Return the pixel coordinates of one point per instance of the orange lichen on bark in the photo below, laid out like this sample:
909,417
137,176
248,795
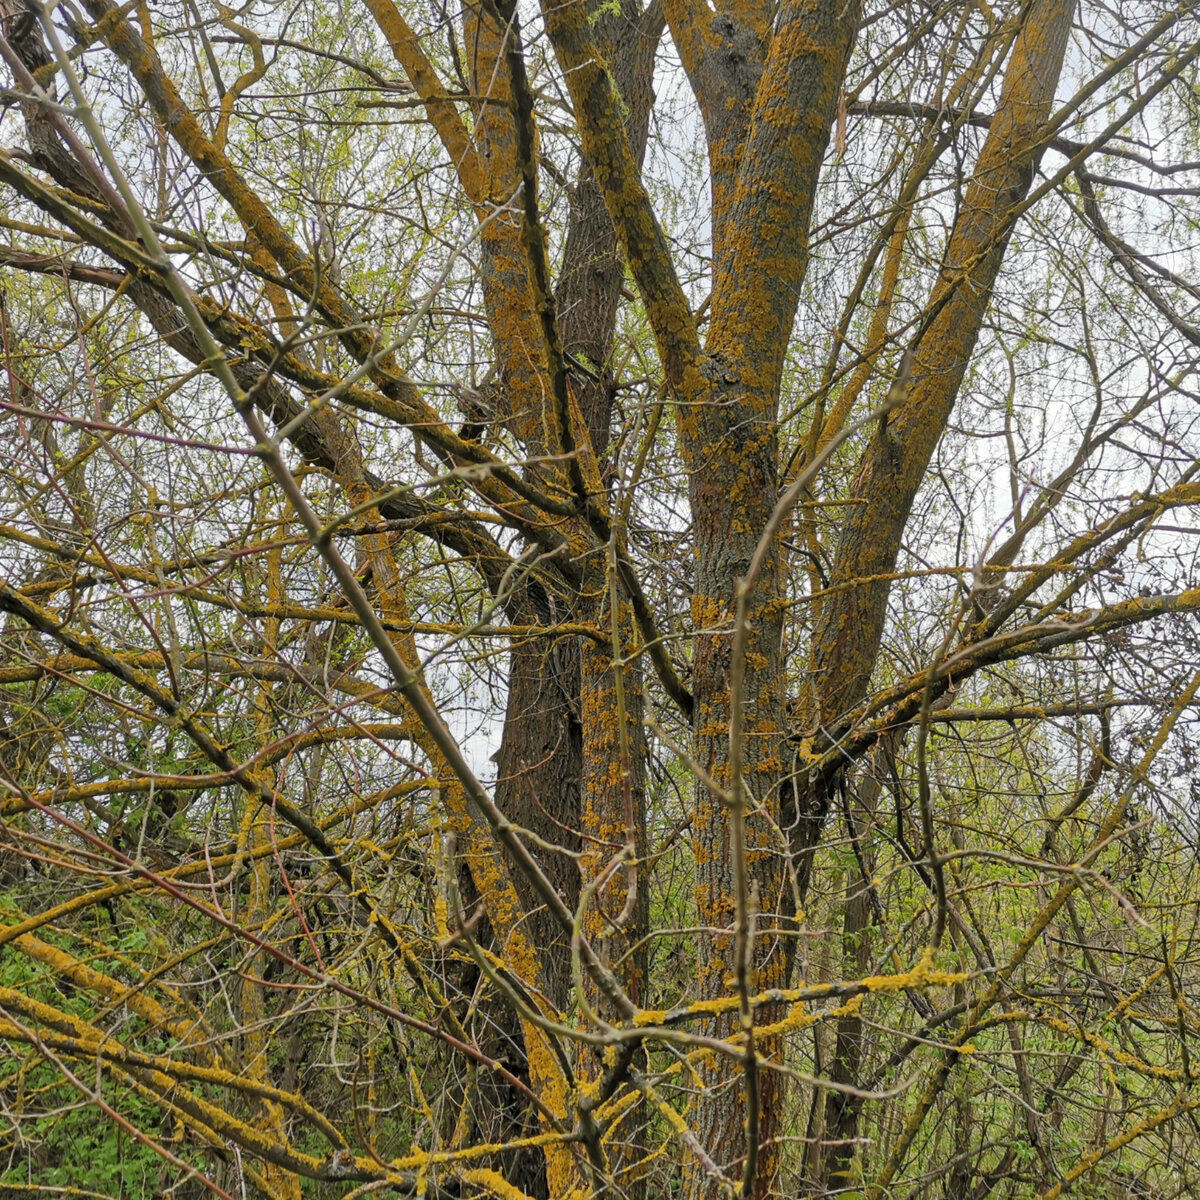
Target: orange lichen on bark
188,1029
440,107
845,643
606,149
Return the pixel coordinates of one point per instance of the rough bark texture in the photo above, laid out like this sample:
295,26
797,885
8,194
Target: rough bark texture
734,485
892,469
540,762
846,640
571,763
724,49
556,763
592,271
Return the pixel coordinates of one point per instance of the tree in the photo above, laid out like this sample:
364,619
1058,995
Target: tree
815,565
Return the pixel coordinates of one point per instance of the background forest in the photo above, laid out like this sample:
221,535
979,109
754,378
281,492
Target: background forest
599,600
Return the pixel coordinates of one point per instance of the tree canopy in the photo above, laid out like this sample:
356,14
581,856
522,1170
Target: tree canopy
599,599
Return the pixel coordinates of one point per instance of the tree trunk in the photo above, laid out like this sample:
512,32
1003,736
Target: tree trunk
848,633
559,743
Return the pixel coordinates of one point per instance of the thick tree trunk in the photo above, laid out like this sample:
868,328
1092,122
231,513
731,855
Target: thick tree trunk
557,760
733,455
732,496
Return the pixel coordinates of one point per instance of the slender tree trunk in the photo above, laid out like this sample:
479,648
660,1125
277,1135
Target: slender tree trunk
847,639
850,627
557,762
843,1109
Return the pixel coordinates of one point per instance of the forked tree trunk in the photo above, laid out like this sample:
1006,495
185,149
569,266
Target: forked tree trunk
556,773
847,639
732,446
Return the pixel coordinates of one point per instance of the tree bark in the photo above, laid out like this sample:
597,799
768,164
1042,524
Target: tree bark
848,634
